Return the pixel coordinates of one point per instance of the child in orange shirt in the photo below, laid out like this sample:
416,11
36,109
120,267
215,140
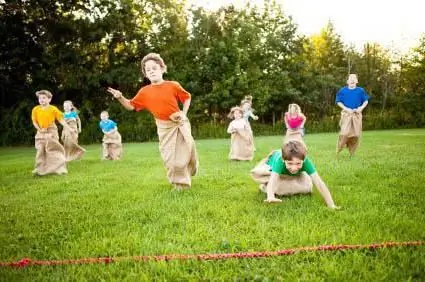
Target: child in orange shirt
161,98
50,156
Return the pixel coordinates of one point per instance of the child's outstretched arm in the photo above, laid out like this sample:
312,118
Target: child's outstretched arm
324,191
124,101
254,117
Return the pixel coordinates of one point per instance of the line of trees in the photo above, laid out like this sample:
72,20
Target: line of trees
76,47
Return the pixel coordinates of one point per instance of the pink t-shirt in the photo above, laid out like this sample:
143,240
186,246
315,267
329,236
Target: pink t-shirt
294,122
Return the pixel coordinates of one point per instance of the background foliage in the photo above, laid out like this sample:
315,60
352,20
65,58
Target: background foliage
77,48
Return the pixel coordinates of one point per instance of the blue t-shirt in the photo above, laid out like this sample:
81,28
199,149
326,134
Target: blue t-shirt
107,125
71,114
351,98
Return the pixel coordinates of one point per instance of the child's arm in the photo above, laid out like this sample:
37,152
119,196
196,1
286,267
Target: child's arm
361,108
38,127
230,129
186,106
118,95
251,114
286,121
344,108
79,124
270,189
304,120
324,191
64,124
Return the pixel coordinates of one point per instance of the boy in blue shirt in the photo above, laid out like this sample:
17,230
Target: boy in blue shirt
289,171
112,146
352,100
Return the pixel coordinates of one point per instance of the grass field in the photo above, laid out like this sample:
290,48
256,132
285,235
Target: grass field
127,208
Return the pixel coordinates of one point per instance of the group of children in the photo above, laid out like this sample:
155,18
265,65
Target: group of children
286,171
52,156
289,170
283,172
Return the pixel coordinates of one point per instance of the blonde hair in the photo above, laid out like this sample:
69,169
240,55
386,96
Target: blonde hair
233,110
104,112
73,108
46,93
153,57
294,108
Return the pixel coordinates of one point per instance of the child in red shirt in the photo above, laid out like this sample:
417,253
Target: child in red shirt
161,98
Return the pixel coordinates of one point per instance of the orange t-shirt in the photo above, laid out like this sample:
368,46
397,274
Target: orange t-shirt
161,100
45,117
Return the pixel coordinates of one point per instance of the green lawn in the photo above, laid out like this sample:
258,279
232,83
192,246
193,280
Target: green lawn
127,208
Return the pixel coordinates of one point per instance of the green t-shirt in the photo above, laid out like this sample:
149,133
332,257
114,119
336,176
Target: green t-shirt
278,166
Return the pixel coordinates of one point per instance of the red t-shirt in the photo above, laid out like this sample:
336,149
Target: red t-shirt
160,99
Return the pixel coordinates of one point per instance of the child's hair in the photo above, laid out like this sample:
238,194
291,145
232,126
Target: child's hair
293,149
294,108
233,110
104,112
73,108
46,93
153,57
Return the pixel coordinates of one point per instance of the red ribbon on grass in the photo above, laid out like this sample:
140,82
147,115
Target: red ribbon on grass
28,262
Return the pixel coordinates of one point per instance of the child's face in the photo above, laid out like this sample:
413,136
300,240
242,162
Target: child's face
104,116
352,80
43,100
67,107
294,165
246,106
237,114
153,71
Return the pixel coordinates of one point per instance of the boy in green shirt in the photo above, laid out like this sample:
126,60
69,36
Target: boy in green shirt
289,171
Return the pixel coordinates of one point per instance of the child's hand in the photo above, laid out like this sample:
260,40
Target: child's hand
255,117
273,200
116,93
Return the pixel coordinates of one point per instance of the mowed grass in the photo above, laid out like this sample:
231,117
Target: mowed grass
127,208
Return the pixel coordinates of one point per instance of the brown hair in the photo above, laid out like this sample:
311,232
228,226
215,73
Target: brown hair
293,149
153,57
46,93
